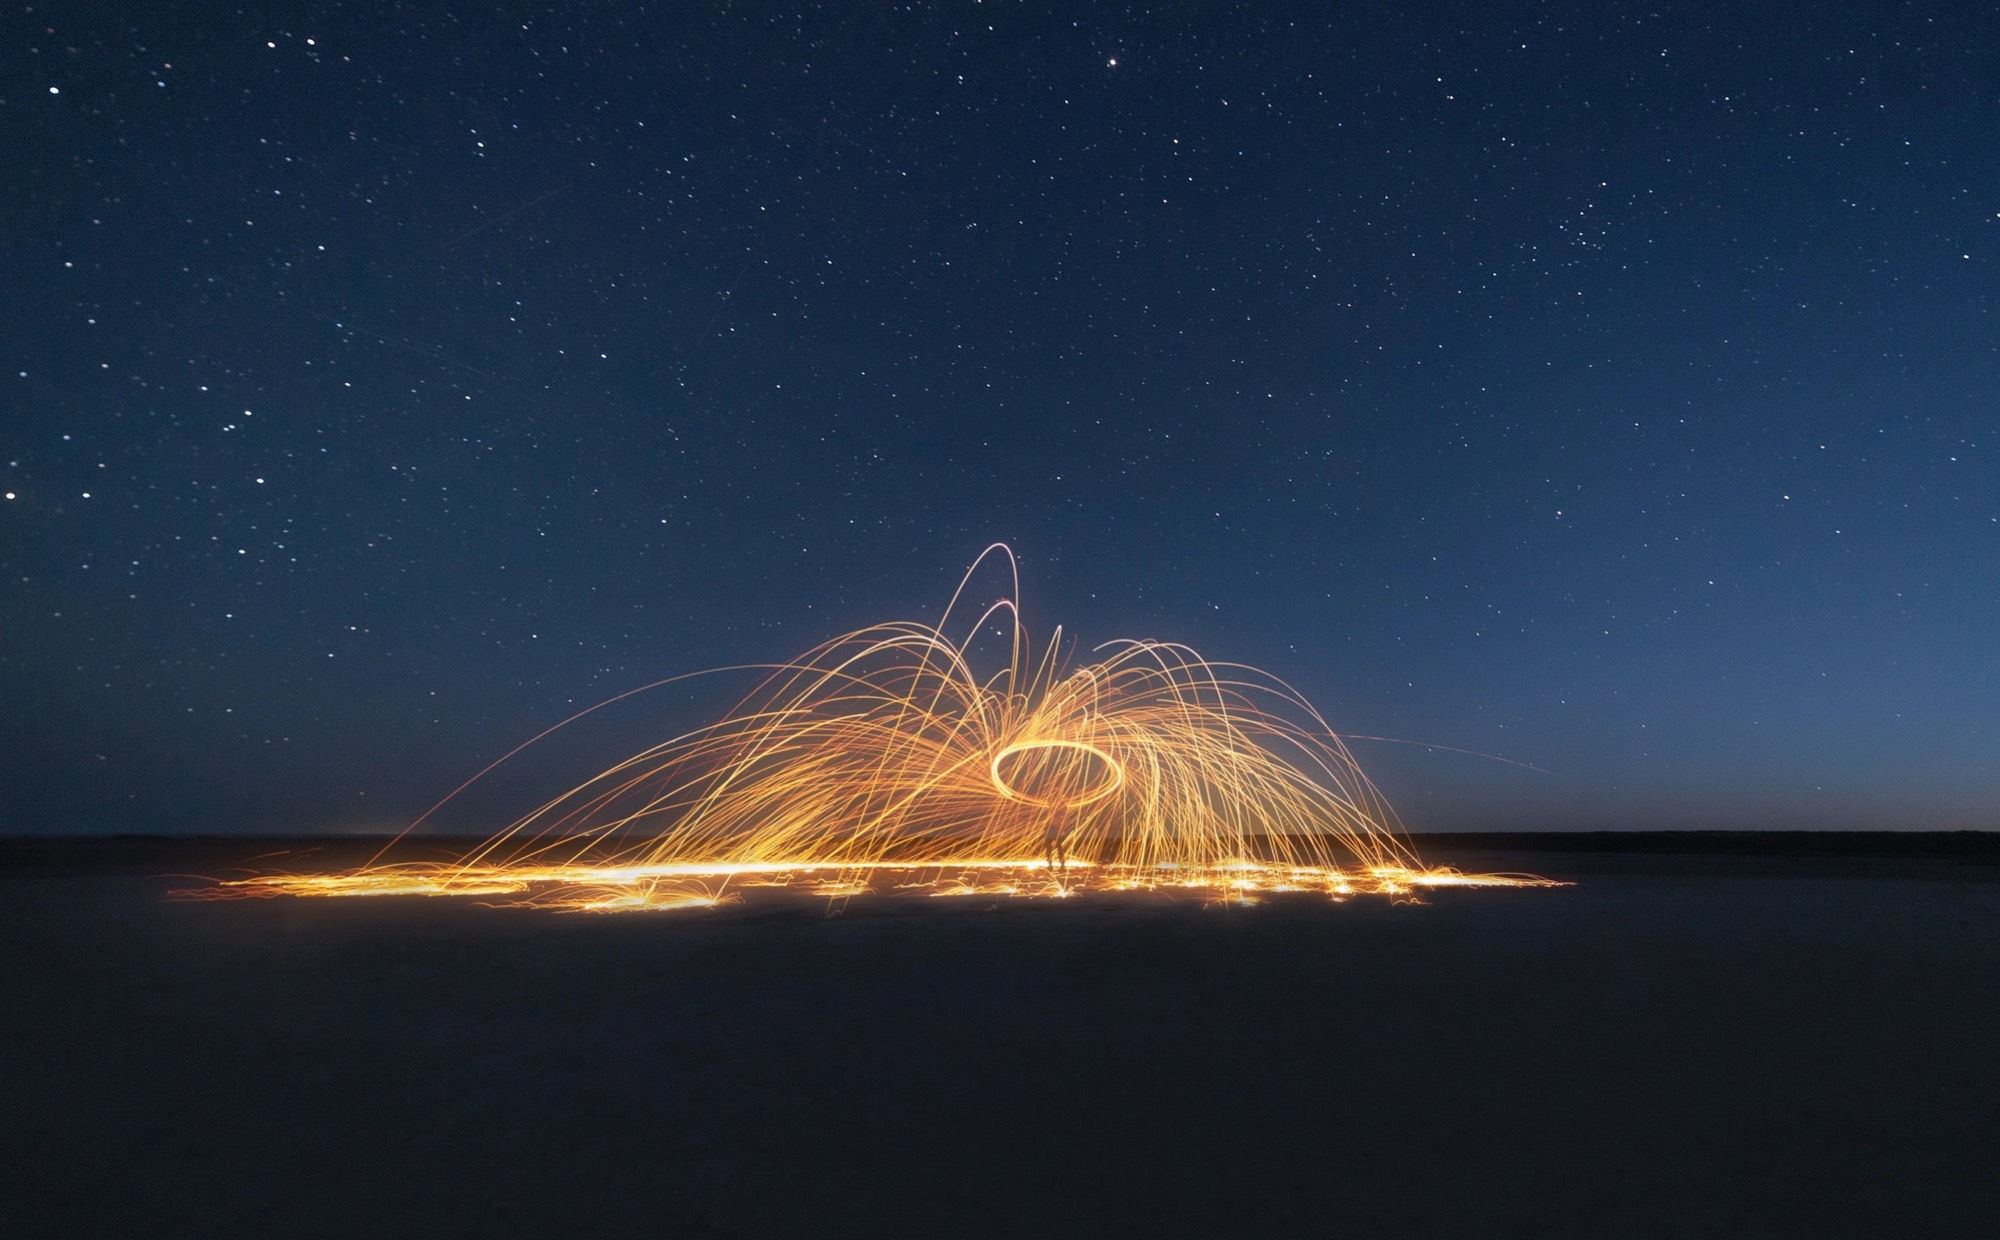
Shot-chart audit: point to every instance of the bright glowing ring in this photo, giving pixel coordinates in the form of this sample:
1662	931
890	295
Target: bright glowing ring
1112	785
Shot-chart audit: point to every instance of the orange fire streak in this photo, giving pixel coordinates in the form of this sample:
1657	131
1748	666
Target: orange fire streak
882	760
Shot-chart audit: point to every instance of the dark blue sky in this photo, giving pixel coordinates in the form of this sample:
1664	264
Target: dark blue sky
1610	388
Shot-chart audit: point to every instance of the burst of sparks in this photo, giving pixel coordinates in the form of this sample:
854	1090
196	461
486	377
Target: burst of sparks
884	761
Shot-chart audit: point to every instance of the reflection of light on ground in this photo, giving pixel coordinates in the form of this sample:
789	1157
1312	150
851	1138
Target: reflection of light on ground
610	888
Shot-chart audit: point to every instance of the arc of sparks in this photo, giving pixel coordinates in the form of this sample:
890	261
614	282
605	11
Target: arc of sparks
884	759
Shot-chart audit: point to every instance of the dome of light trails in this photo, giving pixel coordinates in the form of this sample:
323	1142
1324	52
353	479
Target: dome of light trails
889	760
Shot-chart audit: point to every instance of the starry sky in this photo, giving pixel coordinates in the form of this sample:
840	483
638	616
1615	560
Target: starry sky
1611	389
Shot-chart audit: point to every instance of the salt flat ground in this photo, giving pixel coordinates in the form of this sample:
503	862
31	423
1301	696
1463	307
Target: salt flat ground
1671	1047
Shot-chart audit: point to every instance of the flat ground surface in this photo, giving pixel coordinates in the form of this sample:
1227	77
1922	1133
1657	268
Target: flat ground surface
1675	1046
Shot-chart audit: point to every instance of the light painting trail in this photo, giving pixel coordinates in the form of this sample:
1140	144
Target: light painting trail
884	761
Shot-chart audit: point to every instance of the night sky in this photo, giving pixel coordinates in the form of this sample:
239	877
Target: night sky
1612	389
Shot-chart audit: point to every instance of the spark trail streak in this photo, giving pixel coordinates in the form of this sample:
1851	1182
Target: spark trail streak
883	760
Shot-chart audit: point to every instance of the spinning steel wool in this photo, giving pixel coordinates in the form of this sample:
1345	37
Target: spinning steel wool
886	760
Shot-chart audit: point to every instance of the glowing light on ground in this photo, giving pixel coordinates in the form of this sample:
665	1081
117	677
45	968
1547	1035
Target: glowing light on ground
884	761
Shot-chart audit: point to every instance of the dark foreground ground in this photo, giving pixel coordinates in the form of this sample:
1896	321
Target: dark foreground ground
1682	1044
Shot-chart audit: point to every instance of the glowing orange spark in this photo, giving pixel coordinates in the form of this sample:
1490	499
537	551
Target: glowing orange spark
882	760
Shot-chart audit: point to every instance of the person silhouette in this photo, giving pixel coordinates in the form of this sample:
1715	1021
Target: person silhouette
1055	831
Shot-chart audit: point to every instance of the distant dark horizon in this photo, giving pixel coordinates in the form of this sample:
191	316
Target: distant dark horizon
1607	390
